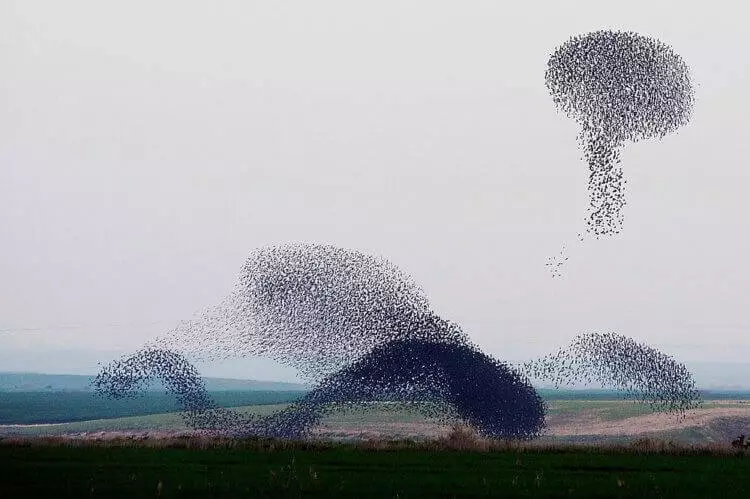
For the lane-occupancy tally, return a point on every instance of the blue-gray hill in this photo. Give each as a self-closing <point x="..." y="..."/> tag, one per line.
<point x="33" y="382"/>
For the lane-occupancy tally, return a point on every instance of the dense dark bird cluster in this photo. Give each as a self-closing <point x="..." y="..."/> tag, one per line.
<point x="356" y="325"/>
<point x="618" y="362"/>
<point x="619" y="86"/>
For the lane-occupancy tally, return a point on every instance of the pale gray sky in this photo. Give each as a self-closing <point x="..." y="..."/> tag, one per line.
<point x="147" y="147"/>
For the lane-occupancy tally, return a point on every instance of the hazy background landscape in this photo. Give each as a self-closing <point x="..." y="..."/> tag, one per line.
<point x="33" y="405"/>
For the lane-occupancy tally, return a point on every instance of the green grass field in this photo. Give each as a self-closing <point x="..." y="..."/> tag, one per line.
<point x="233" y="469"/>
<point x="62" y="407"/>
<point x="354" y="455"/>
<point x="172" y="421"/>
<point x="401" y="423"/>
<point x="153" y="422"/>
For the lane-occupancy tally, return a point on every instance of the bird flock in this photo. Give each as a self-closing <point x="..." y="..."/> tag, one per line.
<point x="311" y="307"/>
<point x="353" y="324"/>
<point x="362" y="331"/>
<point x="619" y="87"/>
<point x="619" y="362"/>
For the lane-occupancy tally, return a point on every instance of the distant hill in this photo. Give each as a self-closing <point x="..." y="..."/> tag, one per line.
<point x="732" y="377"/>
<point x="32" y="382"/>
<point x="722" y="376"/>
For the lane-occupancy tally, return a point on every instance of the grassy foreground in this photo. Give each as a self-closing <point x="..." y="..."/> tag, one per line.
<point x="191" y="467"/>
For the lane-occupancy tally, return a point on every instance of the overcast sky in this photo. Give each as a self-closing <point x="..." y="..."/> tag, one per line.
<point x="147" y="147"/>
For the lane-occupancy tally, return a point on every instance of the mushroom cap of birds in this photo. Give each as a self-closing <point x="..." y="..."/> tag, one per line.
<point x="621" y="85"/>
